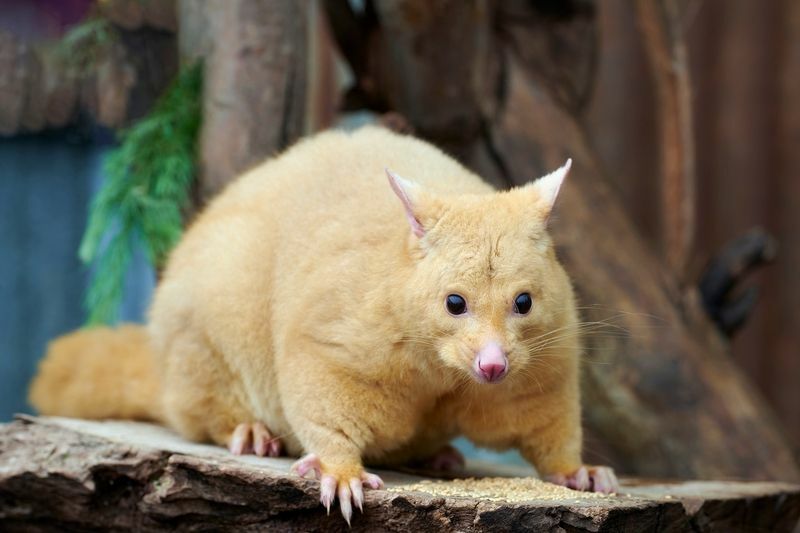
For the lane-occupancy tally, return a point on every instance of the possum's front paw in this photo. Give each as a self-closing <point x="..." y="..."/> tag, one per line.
<point x="346" y="481"/>
<point x="588" y="478"/>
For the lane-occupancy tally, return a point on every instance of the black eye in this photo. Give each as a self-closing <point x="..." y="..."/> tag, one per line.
<point x="522" y="304"/>
<point x="456" y="305"/>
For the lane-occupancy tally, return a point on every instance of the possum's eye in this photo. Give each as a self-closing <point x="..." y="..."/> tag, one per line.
<point x="456" y="305"/>
<point x="522" y="304"/>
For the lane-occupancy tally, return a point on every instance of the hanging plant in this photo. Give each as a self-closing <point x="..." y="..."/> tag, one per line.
<point x="85" y="44"/>
<point x="147" y="182"/>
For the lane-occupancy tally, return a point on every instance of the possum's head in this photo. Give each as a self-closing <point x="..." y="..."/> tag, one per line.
<point x="487" y="290"/>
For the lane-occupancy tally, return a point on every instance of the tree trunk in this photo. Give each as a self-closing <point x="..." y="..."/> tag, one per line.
<point x="255" y="77"/>
<point x="662" y="33"/>
<point x="662" y="396"/>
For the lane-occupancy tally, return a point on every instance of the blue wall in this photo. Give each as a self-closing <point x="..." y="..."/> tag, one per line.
<point x="46" y="183"/>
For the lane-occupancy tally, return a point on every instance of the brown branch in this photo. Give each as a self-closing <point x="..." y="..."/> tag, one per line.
<point x="719" y="285"/>
<point x="661" y="28"/>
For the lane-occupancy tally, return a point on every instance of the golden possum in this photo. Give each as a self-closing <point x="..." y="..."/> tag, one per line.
<point x="315" y="309"/>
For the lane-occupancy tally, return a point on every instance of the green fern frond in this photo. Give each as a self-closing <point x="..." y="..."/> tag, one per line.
<point x="85" y="43"/>
<point x="147" y="182"/>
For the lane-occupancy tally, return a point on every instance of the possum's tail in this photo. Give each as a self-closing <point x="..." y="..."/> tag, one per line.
<point x="99" y="373"/>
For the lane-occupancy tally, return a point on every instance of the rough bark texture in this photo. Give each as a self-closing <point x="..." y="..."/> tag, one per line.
<point x="744" y="59"/>
<point x="557" y="43"/>
<point x="40" y="89"/>
<point x="662" y="31"/>
<point x="254" y="92"/>
<point x="781" y="366"/>
<point x="412" y="53"/>
<point x="135" y="14"/>
<point x="63" y="474"/>
<point x="662" y="397"/>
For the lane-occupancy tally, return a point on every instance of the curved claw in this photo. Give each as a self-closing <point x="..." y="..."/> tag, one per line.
<point x="579" y="480"/>
<point x="358" y="494"/>
<point x="603" y="479"/>
<point x="261" y="438"/>
<point x="254" y="438"/>
<point x="349" y="490"/>
<point x="306" y="464"/>
<point x="241" y="440"/>
<point x="327" y="491"/>
<point x="345" y="502"/>
<point x="372" y="481"/>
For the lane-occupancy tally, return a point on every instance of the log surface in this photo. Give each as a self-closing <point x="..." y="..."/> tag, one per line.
<point x="65" y="474"/>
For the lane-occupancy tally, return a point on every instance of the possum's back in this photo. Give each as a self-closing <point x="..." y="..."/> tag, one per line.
<point x="320" y="217"/>
<point x="339" y="175"/>
<point x="330" y="192"/>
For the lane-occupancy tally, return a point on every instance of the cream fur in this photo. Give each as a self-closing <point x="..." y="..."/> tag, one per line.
<point x="301" y="298"/>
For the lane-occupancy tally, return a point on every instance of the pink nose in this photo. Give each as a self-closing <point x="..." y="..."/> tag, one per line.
<point x="492" y="371"/>
<point x="491" y="363"/>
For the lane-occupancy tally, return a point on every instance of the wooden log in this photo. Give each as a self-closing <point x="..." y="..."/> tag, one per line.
<point x="67" y="474"/>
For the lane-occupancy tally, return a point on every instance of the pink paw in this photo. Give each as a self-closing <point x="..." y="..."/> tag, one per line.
<point x="346" y="482"/>
<point x="254" y="438"/>
<point x="447" y="459"/>
<point x="588" y="478"/>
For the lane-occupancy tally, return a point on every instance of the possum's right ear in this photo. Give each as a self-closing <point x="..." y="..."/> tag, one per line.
<point x="545" y="190"/>
<point x="410" y="194"/>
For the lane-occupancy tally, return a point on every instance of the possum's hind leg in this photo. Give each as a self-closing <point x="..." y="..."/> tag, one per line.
<point x="446" y="459"/>
<point x="254" y="438"/>
<point x="194" y="406"/>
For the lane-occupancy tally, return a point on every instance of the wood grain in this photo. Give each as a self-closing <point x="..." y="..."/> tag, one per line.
<point x="66" y="474"/>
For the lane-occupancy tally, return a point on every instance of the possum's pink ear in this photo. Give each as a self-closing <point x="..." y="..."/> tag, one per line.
<point x="546" y="188"/>
<point x="408" y="192"/>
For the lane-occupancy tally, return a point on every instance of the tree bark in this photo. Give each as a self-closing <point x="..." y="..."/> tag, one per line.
<point x="781" y="370"/>
<point x="255" y="76"/>
<point x="40" y="90"/>
<point x="63" y="474"/>
<point x="669" y="63"/>
<point x="662" y="396"/>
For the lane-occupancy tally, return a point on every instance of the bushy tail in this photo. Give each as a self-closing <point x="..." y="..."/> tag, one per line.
<point x="99" y="373"/>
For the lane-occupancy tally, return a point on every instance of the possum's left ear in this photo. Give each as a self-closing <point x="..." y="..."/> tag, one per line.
<point x="546" y="189"/>
<point x="413" y="200"/>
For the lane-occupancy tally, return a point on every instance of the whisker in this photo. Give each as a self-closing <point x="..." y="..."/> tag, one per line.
<point x="620" y="312"/>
